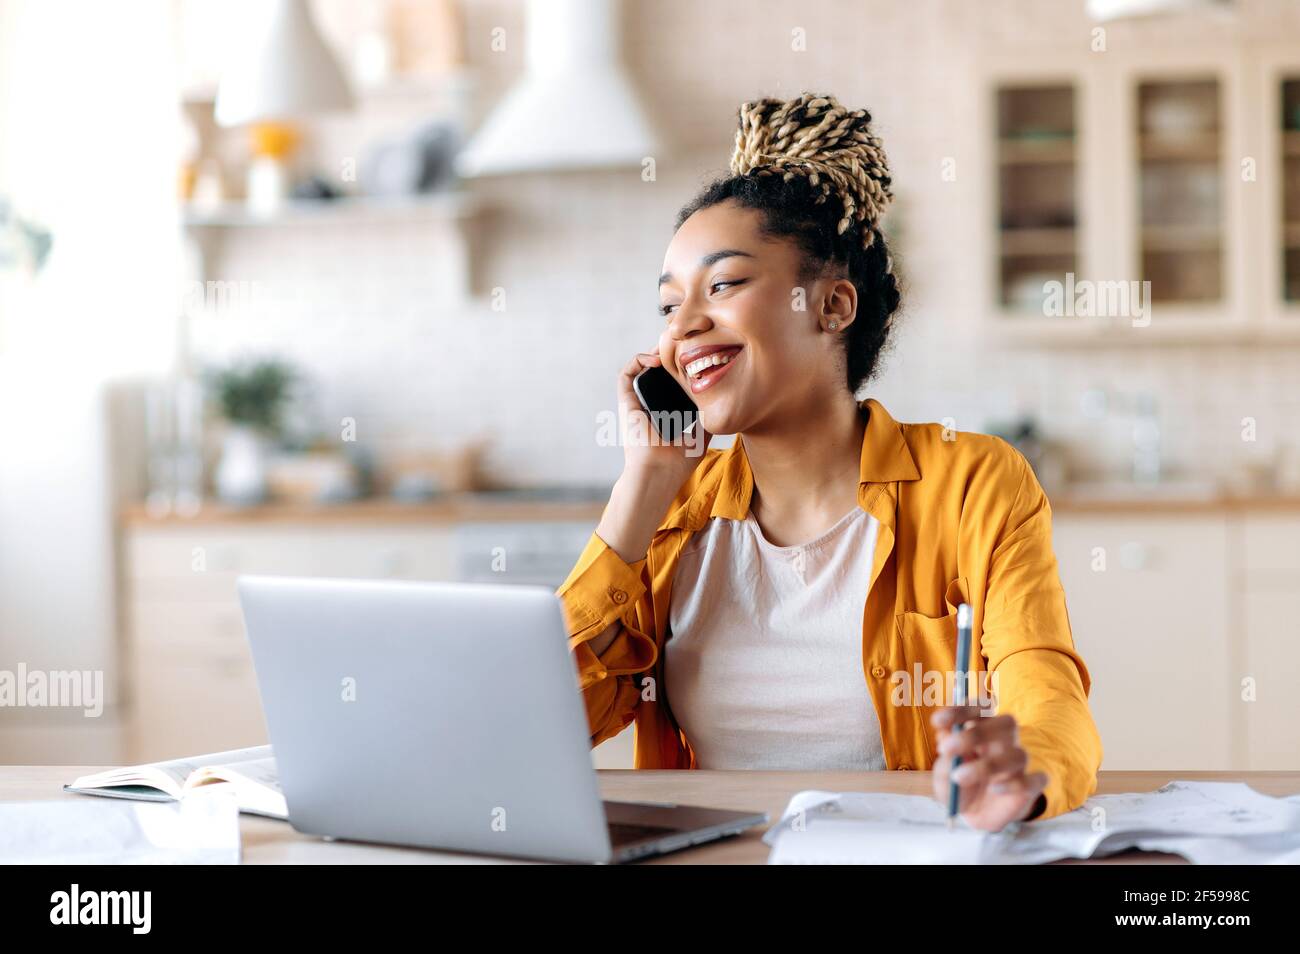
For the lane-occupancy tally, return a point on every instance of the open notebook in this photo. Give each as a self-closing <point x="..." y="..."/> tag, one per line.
<point x="248" y="773"/>
<point x="1205" y="822"/>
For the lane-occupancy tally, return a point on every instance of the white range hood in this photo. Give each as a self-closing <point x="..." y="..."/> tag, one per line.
<point x="575" y="107"/>
<point x="1129" y="9"/>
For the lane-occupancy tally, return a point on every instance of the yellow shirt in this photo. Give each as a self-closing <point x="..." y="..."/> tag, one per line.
<point x="962" y="519"/>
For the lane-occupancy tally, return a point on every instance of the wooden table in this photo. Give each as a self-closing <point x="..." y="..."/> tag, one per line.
<point x="266" y="841"/>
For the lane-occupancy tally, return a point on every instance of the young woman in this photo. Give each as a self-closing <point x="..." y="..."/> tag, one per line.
<point x="790" y="602"/>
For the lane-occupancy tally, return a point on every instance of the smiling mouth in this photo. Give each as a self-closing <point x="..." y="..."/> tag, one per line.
<point x="702" y="373"/>
<point x="696" y="368"/>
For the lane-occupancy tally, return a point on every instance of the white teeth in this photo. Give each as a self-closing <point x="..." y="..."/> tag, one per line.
<point x="708" y="361"/>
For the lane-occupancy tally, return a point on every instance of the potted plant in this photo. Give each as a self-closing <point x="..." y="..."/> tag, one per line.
<point x="21" y="240"/>
<point x="253" y="398"/>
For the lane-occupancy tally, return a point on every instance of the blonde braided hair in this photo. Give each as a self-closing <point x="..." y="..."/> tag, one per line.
<point x="832" y="146"/>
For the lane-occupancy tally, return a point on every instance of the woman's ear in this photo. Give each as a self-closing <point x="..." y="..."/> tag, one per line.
<point x="838" y="306"/>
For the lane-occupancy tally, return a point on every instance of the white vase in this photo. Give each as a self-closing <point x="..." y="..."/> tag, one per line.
<point x="241" y="474"/>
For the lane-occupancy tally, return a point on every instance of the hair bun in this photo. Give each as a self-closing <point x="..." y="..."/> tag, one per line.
<point x="833" y="147"/>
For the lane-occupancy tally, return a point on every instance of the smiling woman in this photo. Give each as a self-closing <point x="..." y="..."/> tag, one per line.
<point x="755" y="607"/>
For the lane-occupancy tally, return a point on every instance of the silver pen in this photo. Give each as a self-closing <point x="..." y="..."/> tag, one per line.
<point x="959" y="699"/>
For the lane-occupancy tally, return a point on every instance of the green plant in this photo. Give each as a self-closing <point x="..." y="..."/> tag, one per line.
<point x="254" y="394"/>
<point x="21" y="239"/>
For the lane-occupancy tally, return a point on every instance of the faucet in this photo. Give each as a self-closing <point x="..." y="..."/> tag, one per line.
<point x="1146" y="440"/>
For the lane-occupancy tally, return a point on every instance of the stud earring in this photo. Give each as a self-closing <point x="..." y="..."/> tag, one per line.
<point x="833" y="326"/>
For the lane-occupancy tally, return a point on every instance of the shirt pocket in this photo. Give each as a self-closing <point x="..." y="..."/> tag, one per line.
<point x="929" y="650"/>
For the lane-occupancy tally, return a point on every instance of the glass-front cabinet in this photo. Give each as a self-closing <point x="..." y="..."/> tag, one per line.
<point x="1278" y="96"/>
<point x="1288" y="124"/>
<point x="1180" y="193"/>
<point x="1143" y="198"/>
<point x="1037" y="197"/>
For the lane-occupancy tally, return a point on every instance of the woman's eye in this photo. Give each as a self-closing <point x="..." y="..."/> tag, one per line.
<point x="734" y="281"/>
<point x="666" y="310"/>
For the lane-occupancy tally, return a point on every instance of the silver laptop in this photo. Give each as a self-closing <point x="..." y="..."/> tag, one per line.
<point x="443" y="715"/>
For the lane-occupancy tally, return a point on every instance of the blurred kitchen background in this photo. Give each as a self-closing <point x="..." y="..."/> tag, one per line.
<point x="340" y="287"/>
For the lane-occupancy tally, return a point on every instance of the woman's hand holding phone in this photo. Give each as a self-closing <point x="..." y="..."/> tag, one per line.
<point x="645" y="452"/>
<point x="653" y="471"/>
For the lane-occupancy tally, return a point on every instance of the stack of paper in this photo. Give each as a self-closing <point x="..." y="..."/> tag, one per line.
<point x="1205" y="822"/>
<point x="199" y="830"/>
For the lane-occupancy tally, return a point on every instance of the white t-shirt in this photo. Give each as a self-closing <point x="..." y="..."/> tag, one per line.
<point x="764" y="667"/>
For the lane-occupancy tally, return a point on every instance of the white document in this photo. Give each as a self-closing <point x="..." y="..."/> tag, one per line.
<point x="1205" y="822"/>
<point x="203" y="829"/>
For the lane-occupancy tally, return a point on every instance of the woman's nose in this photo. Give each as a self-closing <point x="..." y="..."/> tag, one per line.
<point x="687" y="319"/>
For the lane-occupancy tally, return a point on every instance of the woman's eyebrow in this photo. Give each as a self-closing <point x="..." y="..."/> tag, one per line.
<point x="711" y="259"/>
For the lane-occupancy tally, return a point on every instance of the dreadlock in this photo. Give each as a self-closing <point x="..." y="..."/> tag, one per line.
<point x="792" y="158"/>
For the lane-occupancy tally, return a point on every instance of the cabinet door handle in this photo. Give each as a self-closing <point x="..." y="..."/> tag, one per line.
<point x="229" y="667"/>
<point x="226" y="558"/>
<point x="1136" y="556"/>
<point x="230" y="626"/>
<point x="392" y="561"/>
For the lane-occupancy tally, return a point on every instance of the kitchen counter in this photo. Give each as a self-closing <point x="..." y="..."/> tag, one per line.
<point x="579" y="505"/>
<point x="452" y="509"/>
<point x="1120" y="499"/>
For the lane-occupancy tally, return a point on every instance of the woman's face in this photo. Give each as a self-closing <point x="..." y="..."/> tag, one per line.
<point x="746" y="341"/>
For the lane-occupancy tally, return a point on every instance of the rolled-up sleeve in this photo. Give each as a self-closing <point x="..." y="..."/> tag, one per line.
<point x="1039" y="676"/>
<point x="601" y="590"/>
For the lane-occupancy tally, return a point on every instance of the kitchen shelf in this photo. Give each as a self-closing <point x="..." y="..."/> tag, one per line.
<point x="1028" y="151"/>
<point x="1025" y="243"/>
<point x="1198" y="147"/>
<point x="446" y="206"/>
<point x="1181" y="238"/>
<point x="450" y="213"/>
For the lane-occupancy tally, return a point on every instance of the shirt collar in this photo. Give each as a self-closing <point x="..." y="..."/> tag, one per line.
<point x="726" y="492"/>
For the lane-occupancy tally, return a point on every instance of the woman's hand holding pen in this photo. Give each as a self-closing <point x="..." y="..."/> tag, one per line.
<point x="995" y="788"/>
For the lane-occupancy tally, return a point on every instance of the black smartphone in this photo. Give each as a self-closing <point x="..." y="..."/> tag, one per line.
<point x="669" y="406"/>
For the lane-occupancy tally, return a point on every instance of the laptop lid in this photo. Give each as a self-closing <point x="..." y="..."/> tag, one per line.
<point x="440" y="715"/>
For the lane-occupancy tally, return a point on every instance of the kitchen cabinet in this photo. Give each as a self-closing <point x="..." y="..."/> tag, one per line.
<point x="1271" y="656"/>
<point x="1188" y="603"/>
<point x="1179" y="128"/>
<point x="1269" y="702"/>
<point x="1186" y="121"/>
<point x="1171" y="611"/>
<point x="1190" y="634"/>
<point x="190" y="679"/>
<point x="1148" y="600"/>
<point x="1037" y="159"/>
<point x="1277" y="95"/>
<point x="1177" y="167"/>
